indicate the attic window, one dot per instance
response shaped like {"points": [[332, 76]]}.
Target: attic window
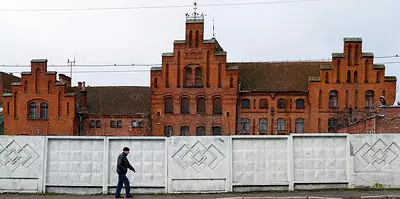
{"points": [[92, 123], [112, 124], [98, 124], [119, 124]]}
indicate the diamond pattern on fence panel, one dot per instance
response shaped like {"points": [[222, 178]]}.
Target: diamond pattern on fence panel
{"points": [[259, 161], [319, 159], [75, 162], [146, 156]]}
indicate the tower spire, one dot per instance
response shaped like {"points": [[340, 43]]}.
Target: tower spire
{"points": [[213, 29]]}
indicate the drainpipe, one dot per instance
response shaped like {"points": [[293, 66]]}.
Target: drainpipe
{"points": [[80, 125], [375, 124]]}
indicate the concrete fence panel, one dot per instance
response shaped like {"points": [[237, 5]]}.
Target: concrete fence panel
{"points": [[260, 162], [148, 157], [199, 164], [75, 165], [375, 160], [21, 163], [320, 159]]}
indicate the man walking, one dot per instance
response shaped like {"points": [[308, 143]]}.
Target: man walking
{"points": [[122, 168]]}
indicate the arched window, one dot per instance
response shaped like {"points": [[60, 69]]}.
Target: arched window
{"points": [[184, 131], [349, 55], [338, 71], [333, 99], [231, 82], [300, 104], [188, 77], [168, 131], [326, 77], [199, 76], [366, 70], [355, 77], [369, 99], [281, 125], [245, 126], [197, 39], [378, 77], [44, 111], [217, 105], [263, 126], [169, 105], [347, 99], [201, 105], [185, 106], [26, 86], [190, 39], [49, 87], [37, 80], [167, 76], [299, 126], [356, 99], [282, 103], [263, 104], [320, 99], [59, 104], [200, 131], [155, 82], [217, 130], [348, 77], [245, 104], [32, 110]]}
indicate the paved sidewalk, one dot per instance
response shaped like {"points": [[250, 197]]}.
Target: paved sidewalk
{"points": [[332, 194]]}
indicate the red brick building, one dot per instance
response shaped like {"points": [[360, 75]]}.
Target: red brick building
{"points": [[39, 104], [197, 92]]}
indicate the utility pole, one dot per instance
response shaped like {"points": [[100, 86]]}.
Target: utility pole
{"points": [[71, 63]]}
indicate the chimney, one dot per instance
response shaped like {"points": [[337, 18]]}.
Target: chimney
{"points": [[64, 79], [80, 85]]}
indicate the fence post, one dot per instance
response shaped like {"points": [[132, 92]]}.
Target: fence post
{"points": [[44, 178], [290, 162], [230, 150], [105, 165], [348, 160]]}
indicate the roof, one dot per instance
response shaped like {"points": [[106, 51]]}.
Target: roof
{"points": [[352, 39], [276, 76], [117, 100], [6, 80]]}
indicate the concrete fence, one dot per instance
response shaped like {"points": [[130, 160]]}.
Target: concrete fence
{"points": [[86, 165]]}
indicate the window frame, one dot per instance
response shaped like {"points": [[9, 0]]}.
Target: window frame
{"points": [[282, 103], [299, 121], [185, 105], [169, 105], [201, 107], [263, 126], [215, 132], [243, 106], [45, 106], [200, 131], [263, 104], [32, 111], [217, 106], [333, 99]]}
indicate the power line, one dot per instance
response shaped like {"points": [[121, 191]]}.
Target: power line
{"points": [[157, 64], [157, 7]]}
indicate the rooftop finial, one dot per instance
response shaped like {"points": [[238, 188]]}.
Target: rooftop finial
{"points": [[195, 15]]}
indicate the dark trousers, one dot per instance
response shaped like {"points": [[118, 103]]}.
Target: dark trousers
{"points": [[122, 179]]}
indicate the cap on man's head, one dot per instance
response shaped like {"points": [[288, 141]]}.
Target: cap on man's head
{"points": [[126, 149]]}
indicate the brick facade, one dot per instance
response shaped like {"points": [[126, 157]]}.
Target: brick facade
{"points": [[197, 92], [39, 104], [196, 70]]}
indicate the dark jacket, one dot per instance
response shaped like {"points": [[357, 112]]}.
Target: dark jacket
{"points": [[123, 164]]}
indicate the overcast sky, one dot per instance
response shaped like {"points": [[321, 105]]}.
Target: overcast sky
{"points": [[290, 31]]}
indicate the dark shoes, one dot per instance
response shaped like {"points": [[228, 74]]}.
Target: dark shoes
{"points": [[129, 196]]}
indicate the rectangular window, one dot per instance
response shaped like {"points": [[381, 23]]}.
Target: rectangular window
{"points": [[98, 124], [134, 124], [112, 124], [119, 123], [92, 123], [140, 124]]}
